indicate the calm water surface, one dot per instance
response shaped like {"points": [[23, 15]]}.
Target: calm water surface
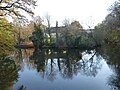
{"points": [[59, 70]]}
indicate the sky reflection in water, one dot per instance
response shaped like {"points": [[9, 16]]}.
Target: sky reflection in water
{"points": [[88, 73]]}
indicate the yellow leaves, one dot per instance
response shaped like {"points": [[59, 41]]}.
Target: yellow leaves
{"points": [[3, 21], [115, 36], [1, 13], [76, 25]]}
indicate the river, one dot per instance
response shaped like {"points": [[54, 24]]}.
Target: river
{"points": [[71, 69]]}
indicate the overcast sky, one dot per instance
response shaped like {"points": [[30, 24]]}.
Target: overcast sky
{"points": [[81, 10]]}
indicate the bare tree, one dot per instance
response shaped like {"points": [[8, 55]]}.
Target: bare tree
{"points": [[37, 19], [48, 20], [66, 22], [90, 25]]}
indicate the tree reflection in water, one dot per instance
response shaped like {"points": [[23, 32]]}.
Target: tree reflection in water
{"points": [[21, 88], [70, 62], [8, 73], [67, 63], [112, 57]]}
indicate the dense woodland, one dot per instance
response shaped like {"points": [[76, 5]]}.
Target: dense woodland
{"points": [[70, 34]]}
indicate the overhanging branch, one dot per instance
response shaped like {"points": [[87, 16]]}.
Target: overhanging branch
{"points": [[1, 1], [7, 6]]}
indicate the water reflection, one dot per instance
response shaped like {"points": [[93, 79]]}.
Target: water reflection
{"points": [[112, 55], [21, 88], [8, 73], [67, 63], [57, 65]]}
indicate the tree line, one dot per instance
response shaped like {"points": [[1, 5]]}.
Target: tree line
{"points": [[71, 34]]}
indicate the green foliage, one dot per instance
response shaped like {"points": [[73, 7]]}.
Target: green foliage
{"points": [[76, 39], [68, 37], [38, 36], [114, 37], [7, 40], [85, 40], [100, 33], [8, 73], [109, 30]]}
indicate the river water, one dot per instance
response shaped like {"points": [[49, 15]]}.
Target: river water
{"points": [[61, 70]]}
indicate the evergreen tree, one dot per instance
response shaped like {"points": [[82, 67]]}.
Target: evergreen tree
{"points": [[38, 36]]}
